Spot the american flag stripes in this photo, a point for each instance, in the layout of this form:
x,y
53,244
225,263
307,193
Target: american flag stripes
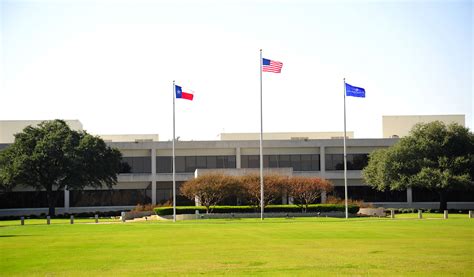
x,y
271,66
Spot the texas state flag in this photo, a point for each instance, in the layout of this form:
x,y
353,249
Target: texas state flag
x,y
184,95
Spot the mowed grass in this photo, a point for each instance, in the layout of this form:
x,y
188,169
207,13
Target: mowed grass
x,y
274,247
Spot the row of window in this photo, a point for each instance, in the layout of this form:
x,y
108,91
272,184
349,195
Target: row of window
x,y
306,162
369,194
354,161
183,163
191,163
299,162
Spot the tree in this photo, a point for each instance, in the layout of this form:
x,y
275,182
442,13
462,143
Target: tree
x,y
434,156
6,170
374,172
306,190
274,187
210,189
54,158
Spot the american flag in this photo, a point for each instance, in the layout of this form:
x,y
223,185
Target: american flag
x,y
271,66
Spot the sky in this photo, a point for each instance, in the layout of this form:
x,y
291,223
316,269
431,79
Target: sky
x,y
111,64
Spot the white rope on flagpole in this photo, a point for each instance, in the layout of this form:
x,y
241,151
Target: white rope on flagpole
x,y
345,154
174,164
261,141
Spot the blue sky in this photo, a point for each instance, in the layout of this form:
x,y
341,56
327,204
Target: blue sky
x,y
111,64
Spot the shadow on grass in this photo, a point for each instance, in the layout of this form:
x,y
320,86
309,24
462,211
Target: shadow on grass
x,y
12,236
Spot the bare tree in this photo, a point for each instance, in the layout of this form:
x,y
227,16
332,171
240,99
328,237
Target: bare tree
x,y
306,190
210,189
274,187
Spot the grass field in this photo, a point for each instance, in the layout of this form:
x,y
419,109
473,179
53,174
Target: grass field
x,y
284,247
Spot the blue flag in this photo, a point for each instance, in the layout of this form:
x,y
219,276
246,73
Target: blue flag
x,y
355,91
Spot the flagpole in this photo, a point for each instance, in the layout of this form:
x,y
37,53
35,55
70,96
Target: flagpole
x,y
345,154
174,164
261,141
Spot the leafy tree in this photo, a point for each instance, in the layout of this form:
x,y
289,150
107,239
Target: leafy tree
x,y
374,172
6,171
274,187
54,158
434,156
306,190
210,189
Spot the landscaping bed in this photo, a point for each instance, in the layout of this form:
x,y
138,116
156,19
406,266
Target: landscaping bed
x,y
282,209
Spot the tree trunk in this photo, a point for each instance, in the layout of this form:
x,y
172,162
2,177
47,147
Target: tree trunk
x,y
443,201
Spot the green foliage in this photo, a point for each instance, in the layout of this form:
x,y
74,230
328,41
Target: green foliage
x,y
8,169
374,172
252,209
53,157
434,156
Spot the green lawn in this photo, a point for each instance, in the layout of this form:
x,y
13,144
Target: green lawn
x,y
303,246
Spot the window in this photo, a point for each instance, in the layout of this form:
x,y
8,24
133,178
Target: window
x,y
358,161
369,194
354,161
306,162
138,164
112,197
201,162
315,166
334,162
164,165
211,162
273,161
296,162
254,161
284,161
191,163
303,162
180,163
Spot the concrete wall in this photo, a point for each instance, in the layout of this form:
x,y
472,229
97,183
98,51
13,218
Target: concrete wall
x,y
130,138
285,136
8,128
400,125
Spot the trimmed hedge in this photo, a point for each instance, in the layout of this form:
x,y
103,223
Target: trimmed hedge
x,y
64,215
251,209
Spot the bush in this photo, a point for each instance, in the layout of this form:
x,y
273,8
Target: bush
x,y
145,207
252,209
66,215
336,200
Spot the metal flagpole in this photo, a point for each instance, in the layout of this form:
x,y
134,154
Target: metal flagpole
x,y
345,154
261,141
174,165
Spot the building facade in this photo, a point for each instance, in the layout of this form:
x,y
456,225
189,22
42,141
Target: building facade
x,y
149,179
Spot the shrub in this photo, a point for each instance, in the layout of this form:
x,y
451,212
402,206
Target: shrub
x,y
337,200
252,209
144,208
